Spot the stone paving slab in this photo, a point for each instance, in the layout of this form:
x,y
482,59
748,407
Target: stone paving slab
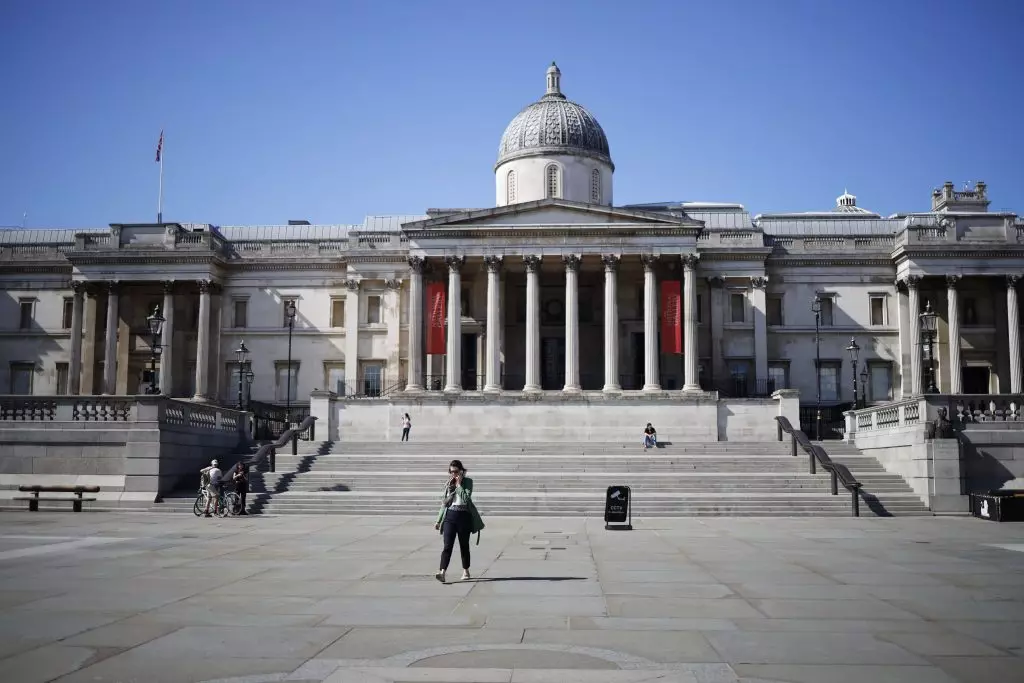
x,y
118,597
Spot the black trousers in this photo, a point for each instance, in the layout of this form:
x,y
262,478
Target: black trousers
x,y
405,433
241,491
456,524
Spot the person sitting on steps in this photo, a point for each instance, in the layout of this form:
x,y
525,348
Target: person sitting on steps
x,y
650,437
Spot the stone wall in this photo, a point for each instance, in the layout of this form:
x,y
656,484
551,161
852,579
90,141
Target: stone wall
x,y
134,448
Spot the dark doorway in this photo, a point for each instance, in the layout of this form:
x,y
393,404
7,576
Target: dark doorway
x,y
469,362
636,380
975,380
552,363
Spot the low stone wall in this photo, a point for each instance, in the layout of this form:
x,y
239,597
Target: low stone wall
x,y
552,417
134,447
993,456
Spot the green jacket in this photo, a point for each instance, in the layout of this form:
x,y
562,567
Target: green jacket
x,y
476,523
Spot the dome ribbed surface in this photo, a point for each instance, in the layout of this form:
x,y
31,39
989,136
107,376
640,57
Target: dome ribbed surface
x,y
554,125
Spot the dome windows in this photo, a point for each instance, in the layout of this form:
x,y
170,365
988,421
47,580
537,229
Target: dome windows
x,y
552,182
510,188
595,186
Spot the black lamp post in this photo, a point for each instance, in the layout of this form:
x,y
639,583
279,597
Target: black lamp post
x,y
928,322
249,378
155,322
289,314
864,387
854,350
816,308
241,354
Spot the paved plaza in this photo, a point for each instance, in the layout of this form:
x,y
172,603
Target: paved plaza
x,y
155,597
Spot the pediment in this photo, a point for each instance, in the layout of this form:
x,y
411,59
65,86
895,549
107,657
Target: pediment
x,y
553,213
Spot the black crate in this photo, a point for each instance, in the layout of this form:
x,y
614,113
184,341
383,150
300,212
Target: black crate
x,y
999,506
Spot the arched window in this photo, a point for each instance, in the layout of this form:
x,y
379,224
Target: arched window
x,y
595,187
552,181
510,188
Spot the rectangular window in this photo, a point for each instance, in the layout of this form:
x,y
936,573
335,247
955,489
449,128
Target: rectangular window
x,y
287,379
739,378
337,313
26,313
778,375
828,374
969,315
21,378
335,379
700,310
881,382
373,310
737,305
826,311
372,378
68,313
62,379
877,310
774,310
464,300
286,305
240,313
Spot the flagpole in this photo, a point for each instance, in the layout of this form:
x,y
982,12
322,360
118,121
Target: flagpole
x,y
160,196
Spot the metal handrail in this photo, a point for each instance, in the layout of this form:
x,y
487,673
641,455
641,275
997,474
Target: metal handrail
x,y
816,454
268,451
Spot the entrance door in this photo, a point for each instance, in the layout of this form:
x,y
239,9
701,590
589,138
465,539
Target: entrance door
x,y
637,380
469,360
552,363
975,379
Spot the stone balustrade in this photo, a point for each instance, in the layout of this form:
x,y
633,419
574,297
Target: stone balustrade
x,y
886,416
121,409
830,244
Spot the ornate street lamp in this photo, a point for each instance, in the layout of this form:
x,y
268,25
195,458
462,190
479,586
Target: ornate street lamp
x,y
155,323
854,350
241,355
864,386
816,308
289,314
928,322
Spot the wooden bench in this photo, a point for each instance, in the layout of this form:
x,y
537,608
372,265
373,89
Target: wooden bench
x,y
76,503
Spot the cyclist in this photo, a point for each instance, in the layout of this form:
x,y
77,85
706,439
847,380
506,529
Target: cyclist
x,y
212,477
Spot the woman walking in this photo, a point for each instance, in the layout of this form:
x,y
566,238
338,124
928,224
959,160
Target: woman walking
x,y
406,426
458,518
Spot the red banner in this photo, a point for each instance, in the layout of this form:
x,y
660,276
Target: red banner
x,y
435,318
671,317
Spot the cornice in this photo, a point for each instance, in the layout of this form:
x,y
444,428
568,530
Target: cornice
x,y
825,261
527,233
113,257
1002,251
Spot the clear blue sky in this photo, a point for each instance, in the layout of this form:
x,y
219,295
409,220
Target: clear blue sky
x,y
330,110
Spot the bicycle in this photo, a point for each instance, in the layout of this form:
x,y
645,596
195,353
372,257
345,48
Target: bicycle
x,y
229,503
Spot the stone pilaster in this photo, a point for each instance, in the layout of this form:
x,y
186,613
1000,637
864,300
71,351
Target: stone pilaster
x,y
906,374
1013,321
75,363
493,366
391,312
716,311
652,379
203,343
914,326
532,382
110,345
414,382
167,340
453,379
88,385
690,369
572,324
760,306
611,323
352,319
953,325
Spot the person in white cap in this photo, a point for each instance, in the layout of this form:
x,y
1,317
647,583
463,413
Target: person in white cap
x,y
212,476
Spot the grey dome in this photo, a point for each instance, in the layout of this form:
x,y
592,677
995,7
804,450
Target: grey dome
x,y
554,125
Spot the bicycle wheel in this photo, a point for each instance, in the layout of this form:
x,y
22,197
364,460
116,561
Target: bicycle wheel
x,y
200,507
222,509
232,503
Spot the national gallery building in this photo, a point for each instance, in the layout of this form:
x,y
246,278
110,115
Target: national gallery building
x,y
554,291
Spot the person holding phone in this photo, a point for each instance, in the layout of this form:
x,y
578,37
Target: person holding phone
x,y
458,518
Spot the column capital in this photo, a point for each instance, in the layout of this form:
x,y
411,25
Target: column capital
x,y
611,262
689,261
168,286
649,261
416,264
352,285
759,282
952,281
716,281
571,261
112,287
78,286
205,286
532,263
455,263
493,263
912,281
393,283
1012,280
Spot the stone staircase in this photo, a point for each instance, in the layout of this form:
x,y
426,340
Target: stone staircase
x,y
525,479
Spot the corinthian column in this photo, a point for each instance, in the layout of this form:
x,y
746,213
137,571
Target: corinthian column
x,y
1013,311
572,324
110,348
493,370
760,305
611,324
651,376
532,323
453,380
953,324
914,314
691,381
203,343
167,340
75,365
414,382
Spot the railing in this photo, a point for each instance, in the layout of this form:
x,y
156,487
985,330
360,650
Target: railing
x,y
368,388
817,455
891,416
119,409
272,420
268,452
741,386
976,408
960,409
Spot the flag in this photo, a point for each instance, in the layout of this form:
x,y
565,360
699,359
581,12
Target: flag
x,y
436,318
671,318
160,146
